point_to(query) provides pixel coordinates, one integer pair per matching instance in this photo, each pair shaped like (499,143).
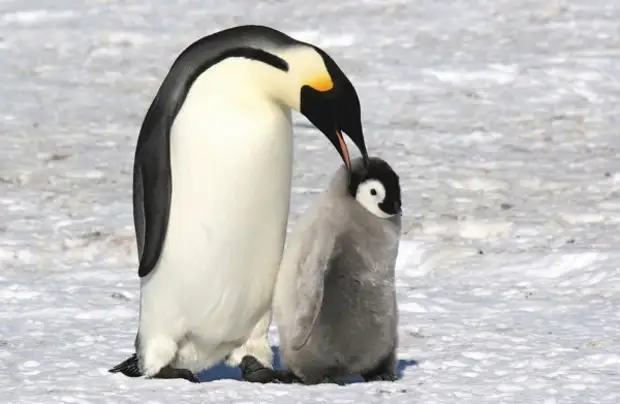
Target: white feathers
(231,161)
(370,194)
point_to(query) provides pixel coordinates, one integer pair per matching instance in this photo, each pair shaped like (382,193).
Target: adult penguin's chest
(231,164)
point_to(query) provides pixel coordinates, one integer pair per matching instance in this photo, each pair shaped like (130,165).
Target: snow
(500,116)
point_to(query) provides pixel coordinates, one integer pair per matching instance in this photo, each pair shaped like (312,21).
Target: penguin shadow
(221,371)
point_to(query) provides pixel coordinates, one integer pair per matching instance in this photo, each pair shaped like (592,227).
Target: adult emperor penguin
(211,188)
(335,302)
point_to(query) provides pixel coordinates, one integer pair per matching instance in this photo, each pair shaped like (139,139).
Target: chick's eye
(373,192)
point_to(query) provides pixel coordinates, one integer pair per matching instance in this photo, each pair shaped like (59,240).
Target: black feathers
(129,367)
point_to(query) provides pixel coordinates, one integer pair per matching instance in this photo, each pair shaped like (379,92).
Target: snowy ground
(501,117)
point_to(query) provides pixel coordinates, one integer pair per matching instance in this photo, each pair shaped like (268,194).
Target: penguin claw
(383,377)
(331,380)
(286,377)
(192,378)
(254,372)
(169,372)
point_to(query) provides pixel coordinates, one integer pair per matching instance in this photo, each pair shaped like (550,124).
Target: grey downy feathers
(334,304)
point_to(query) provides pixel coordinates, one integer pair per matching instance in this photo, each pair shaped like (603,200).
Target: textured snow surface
(501,116)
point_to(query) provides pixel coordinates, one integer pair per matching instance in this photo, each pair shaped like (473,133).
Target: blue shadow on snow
(223,372)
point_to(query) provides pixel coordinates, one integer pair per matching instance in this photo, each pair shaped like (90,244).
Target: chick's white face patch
(370,194)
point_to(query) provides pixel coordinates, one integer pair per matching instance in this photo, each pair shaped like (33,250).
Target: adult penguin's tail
(129,367)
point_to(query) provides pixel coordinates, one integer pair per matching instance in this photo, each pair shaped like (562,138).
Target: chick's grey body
(335,304)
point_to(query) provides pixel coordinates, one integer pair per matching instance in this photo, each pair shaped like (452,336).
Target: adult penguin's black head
(297,74)
(331,103)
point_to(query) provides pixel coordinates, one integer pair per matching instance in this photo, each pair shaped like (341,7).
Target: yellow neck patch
(321,83)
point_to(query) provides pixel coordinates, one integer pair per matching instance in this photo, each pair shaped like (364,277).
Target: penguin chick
(335,303)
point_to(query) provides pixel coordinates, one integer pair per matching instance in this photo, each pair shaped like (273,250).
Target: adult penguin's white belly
(231,161)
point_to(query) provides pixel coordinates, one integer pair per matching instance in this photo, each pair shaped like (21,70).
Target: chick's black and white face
(371,194)
(377,189)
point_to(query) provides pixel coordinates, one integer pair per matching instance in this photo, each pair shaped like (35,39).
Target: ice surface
(500,116)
